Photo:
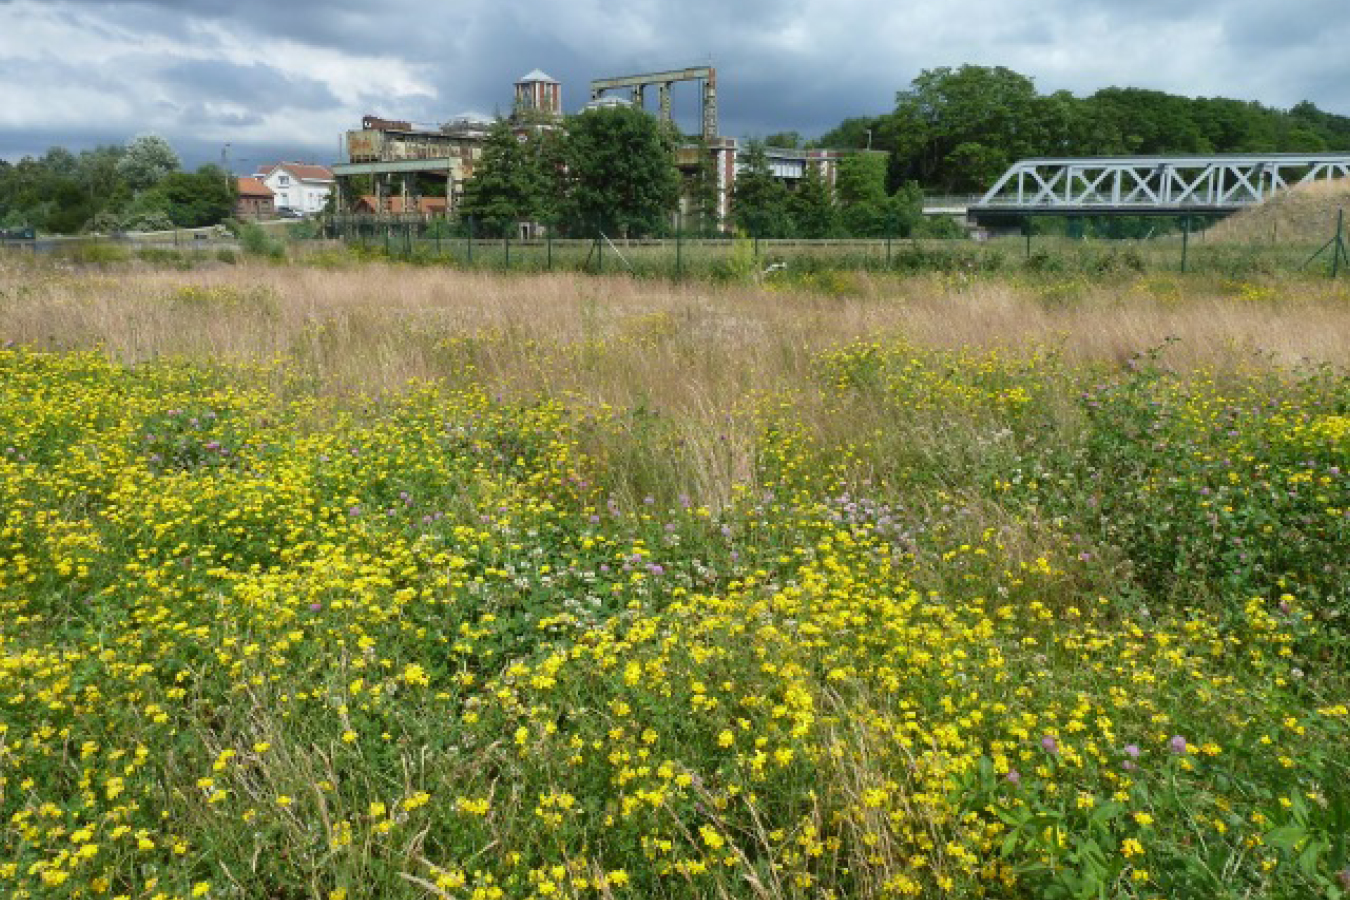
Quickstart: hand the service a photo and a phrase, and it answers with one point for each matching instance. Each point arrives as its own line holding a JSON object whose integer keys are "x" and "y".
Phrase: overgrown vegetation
{"x": 560, "y": 586}
{"x": 136, "y": 187}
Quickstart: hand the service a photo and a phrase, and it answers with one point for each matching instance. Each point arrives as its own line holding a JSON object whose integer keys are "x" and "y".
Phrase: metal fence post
{"x": 1185, "y": 240}
{"x": 679, "y": 248}
{"x": 1340, "y": 245}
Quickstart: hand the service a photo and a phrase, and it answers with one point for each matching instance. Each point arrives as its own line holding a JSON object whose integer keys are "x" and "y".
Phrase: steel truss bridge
{"x": 1151, "y": 185}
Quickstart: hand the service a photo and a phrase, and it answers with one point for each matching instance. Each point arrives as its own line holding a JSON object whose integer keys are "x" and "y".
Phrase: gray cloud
{"x": 249, "y": 85}
{"x": 289, "y": 77}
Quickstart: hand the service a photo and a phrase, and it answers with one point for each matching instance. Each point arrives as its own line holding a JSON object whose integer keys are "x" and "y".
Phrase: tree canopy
{"x": 759, "y": 203}
{"x": 610, "y": 169}
{"x": 508, "y": 185}
{"x": 137, "y": 186}
{"x": 954, "y": 130}
{"x": 620, "y": 173}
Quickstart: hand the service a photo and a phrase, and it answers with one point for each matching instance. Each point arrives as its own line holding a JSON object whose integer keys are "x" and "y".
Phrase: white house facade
{"x": 302, "y": 187}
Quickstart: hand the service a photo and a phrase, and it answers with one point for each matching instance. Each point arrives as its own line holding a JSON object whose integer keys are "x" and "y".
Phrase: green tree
{"x": 621, "y": 175}
{"x": 44, "y": 194}
{"x": 863, "y": 133}
{"x": 861, "y": 178}
{"x": 957, "y": 129}
{"x": 759, "y": 203}
{"x": 1334, "y": 130}
{"x": 98, "y": 176}
{"x": 866, "y": 209}
{"x": 547, "y": 147}
{"x": 812, "y": 206}
{"x": 196, "y": 199}
{"x": 507, "y": 186}
{"x": 785, "y": 140}
{"x": 147, "y": 159}
{"x": 1149, "y": 122}
{"x": 702, "y": 190}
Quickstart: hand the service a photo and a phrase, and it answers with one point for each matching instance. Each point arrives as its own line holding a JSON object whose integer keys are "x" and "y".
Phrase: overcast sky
{"x": 283, "y": 78}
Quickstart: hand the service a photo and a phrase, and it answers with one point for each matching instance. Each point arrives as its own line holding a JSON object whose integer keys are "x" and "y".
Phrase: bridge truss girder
{"x": 1153, "y": 185}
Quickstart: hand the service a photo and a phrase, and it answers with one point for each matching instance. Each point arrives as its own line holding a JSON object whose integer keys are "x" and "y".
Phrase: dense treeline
{"x": 613, "y": 171}
{"x": 956, "y": 130}
{"x": 858, "y": 206}
{"x": 137, "y": 186}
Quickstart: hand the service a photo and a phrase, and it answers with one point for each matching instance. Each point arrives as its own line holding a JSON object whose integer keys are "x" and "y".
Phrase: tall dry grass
{"x": 1305, "y": 213}
{"x": 373, "y": 327}
{"x": 683, "y": 358}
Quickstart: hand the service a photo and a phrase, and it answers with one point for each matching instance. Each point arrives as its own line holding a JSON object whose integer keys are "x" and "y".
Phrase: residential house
{"x": 256, "y": 200}
{"x": 302, "y": 187}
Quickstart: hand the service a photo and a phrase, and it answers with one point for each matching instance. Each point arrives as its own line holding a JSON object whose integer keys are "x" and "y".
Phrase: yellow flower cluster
{"x": 255, "y": 644}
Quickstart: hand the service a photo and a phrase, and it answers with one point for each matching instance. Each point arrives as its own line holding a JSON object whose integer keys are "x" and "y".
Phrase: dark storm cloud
{"x": 250, "y": 85}
{"x": 293, "y": 74}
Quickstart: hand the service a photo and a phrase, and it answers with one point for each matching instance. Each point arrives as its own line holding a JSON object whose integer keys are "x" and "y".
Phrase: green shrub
{"x": 257, "y": 242}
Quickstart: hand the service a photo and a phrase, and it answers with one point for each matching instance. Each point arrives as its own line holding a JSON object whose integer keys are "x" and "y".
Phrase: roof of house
{"x": 253, "y": 187}
{"x": 425, "y": 205}
{"x": 303, "y": 171}
{"x": 538, "y": 75}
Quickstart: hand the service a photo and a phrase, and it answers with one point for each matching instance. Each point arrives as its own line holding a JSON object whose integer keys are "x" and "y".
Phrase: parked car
{"x": 287, "y": 212}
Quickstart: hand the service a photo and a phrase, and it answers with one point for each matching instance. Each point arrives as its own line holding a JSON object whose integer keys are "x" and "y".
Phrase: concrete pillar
{"x": 710, "y": 108}
{"x": 665, "y": 103}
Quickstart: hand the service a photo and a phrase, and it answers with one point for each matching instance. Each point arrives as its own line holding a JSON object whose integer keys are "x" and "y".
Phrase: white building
{"x": 302, "y": 187}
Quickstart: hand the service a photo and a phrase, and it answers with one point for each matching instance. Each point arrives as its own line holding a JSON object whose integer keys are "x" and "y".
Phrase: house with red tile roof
{"x": 302, "y": 187}
{"x": 256, "y": 200}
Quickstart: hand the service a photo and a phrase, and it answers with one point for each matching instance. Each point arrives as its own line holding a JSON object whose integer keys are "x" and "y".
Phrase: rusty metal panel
{"x": 364, "y": 146}
{"x": 688, "y": 157}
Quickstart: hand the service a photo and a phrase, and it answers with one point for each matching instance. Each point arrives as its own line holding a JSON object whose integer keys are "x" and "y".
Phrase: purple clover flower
{"x": 1049, "y": 744}
{"x": 1177, "y": 744}
{"x": 1014, "y": 777}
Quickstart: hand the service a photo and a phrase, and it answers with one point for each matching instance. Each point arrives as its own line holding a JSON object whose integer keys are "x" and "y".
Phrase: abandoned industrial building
{"x": 391, "y": 163}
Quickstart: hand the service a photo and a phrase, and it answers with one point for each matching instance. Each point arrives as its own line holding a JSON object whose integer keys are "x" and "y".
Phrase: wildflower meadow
{"x": 382, "y": 582}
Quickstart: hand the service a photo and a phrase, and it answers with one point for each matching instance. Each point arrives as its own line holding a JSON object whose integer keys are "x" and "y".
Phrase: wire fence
{"x": 683, "y": 256}
{"x": 1189, "y": 249}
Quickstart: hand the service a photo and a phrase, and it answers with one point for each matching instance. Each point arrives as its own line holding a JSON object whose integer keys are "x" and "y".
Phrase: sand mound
{"x": 1303, "y": 214}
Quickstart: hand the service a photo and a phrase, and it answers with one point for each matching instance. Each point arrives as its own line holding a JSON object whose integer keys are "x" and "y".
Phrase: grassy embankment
{"x": 397, "y": 582}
